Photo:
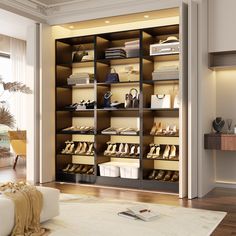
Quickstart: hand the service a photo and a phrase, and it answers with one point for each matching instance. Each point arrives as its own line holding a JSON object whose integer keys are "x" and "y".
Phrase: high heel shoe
{"x": 90, "y": 171}
{"x": 132, "y": 150}
{"x": 79, "y": 168}
{"x": 173, "y": 130}
{"x": 126, "y": 150}
{"x": 152, "y": 149}
{"x": 167, "y": 130}
{"x": 166, "y": 152}
{"x": 172, "y": 152}
{"x": 90, "y": 149}
{"x": 73, "y": 168}
{"x": 159, "y": 129}
{"x": 83, "y": 149}
{"x": 175, "y": 177}
{"x": 85, "y": 169}
{"x": 113, "y": 150}
{"x": 67, "y": 168}
{"x": 157, "y": 153}
{"x": 160, "y": 175}
{"x": 168, "y": 175}
{"x": 66, "y": 149}
{"x": 153, "y": 130}
{"x": 108, "y": 150}
{"x": 78, "y": 148}
{"x": 153, "y": 174}
{"x": 120, "y": 149}
{"x": 71, "y": 148}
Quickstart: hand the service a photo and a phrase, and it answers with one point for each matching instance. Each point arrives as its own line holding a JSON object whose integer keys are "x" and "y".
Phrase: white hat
{"x": 170, "y": 39}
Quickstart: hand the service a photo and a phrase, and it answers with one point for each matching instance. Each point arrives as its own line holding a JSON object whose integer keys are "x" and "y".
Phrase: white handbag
{"x": 160, "y": 101}
{"x": 176, "y": 101}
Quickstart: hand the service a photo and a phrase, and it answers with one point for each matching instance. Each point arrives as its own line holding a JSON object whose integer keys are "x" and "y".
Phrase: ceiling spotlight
{"x": 107, "y": 21}
{"x": 146, "y": 16}
{"x": 71, "y": 27}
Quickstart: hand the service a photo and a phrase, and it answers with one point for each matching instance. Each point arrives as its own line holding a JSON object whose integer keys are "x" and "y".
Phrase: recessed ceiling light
{"x": 146, "y": 16}
{"x": 107, "y": 21}
{"x": 71, "y": 27}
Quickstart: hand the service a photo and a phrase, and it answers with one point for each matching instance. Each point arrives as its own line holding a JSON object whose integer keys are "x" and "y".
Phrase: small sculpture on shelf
{"x": 218, "y": 124}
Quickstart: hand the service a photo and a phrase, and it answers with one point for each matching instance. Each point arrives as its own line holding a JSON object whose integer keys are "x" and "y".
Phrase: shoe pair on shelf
{"x": 122, "y": 150}
{"x": 83, "y": 148}
{"x": 88, "y": 104}
{"x": 123, "y": 131}
{"x": 79, "y": 169}
{"x": 157, "y": 129}
{"x": 164, "y": 175}
{"x": 79, "y": 129}
{"x": 170, "y": 152}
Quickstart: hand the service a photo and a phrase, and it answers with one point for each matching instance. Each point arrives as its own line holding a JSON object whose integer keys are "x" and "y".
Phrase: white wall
{"x": 206, "y": 104}
{"x": 225, "y": 107}
{"x": 222, "y": 20}
{"x": 47, "y": 105}
{"x": 32, "y": 80}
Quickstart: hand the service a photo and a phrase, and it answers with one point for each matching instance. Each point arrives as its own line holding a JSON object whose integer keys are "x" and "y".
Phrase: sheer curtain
{"x": 18, "y": 66}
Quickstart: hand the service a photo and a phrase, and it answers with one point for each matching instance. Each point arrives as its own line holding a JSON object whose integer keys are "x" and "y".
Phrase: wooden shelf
{"x": 106, "y": 117}
{"x": 222, "y": 60}
{"x": 119, "y": 61}
{"x": 223, "y": 142}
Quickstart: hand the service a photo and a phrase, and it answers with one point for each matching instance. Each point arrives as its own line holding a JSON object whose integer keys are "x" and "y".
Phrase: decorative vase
{"x": 218, "y": 124}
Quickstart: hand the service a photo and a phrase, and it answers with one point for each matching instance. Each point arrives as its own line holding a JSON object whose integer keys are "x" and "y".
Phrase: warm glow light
{"x": 107, "y": 21}
{"x": 146, "y": 16}
{"x": 71, "y": 27}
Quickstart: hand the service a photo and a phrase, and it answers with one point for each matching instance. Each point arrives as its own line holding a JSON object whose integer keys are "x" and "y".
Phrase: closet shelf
{"x": 119, "y": 61}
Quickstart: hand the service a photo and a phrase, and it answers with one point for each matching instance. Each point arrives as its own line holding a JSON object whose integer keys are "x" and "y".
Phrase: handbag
{"x": 176, "y": 101}
{"x": 160, "y": 101}
{"x": 132, "y": 99}
{"x": 107, "y": 99}
{"x": 112, "y": 77}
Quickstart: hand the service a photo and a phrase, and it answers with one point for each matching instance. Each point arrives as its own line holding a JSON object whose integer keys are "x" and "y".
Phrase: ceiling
{"x": 51, "y": 3}
{"x": 144, "y": 16}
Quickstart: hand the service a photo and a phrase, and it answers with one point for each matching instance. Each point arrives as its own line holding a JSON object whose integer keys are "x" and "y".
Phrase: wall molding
{"x": 81, "y": 10}
{"x": 225, "y": 184}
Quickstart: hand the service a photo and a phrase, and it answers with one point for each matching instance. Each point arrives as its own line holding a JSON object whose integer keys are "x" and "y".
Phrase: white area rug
{"x": 89, "y": 216}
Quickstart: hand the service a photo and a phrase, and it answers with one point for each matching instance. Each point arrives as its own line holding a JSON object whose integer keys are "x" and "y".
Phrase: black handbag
{"x": 112, "y": 77}
{"x": 132, "y": 99}
{"x": 107, "y": 99}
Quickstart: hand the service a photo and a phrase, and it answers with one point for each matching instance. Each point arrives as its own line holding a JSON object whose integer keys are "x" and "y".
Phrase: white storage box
{"x": 164, "y": 48}
{"x": 129, "y": 170}
{"x": 109, "y": 169}
{"x": 165, "y": 75}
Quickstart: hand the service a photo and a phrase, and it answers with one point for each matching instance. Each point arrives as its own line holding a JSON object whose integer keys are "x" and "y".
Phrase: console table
{"x": 224, "y": 142}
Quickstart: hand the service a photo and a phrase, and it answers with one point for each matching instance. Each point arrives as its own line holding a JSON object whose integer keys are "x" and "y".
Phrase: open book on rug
{"x": 140, "y": 212}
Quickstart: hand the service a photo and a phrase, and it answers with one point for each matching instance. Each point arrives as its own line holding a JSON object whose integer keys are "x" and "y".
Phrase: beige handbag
{"x": 160, "y": 101}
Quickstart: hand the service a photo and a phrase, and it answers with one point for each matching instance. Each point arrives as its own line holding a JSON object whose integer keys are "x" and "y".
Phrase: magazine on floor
{"x": 140, "y": 212}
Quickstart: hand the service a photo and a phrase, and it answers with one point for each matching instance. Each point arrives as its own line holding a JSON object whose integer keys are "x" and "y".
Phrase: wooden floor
{"x": 219, "y": 200}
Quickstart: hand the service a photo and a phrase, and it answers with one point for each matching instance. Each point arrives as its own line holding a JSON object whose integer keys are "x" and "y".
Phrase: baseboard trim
{"x": 223, "y": 184}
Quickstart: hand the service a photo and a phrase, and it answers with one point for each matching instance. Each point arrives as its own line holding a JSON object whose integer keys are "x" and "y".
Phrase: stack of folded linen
{"x": 80, "y": 78}
{"x": 132, "y": 48}
{"x": 166, "y": 73}
{"x": 115, "y": 52}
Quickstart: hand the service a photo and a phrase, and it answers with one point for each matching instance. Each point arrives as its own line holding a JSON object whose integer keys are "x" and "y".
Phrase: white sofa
{"x": 50, "y": 209}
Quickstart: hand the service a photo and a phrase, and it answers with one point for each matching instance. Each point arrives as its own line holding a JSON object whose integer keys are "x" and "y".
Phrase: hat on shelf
{"x": 170, "y": 39}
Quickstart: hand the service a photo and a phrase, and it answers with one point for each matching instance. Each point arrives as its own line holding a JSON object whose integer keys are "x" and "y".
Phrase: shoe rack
{"x": 143, "y": 118}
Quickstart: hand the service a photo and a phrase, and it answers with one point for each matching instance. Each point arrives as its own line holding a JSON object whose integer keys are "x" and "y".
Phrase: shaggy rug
{"x": 90, "y": 216}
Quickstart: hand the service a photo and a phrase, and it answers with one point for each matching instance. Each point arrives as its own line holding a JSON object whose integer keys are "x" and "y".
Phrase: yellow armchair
{"x": 18, "y": 143}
